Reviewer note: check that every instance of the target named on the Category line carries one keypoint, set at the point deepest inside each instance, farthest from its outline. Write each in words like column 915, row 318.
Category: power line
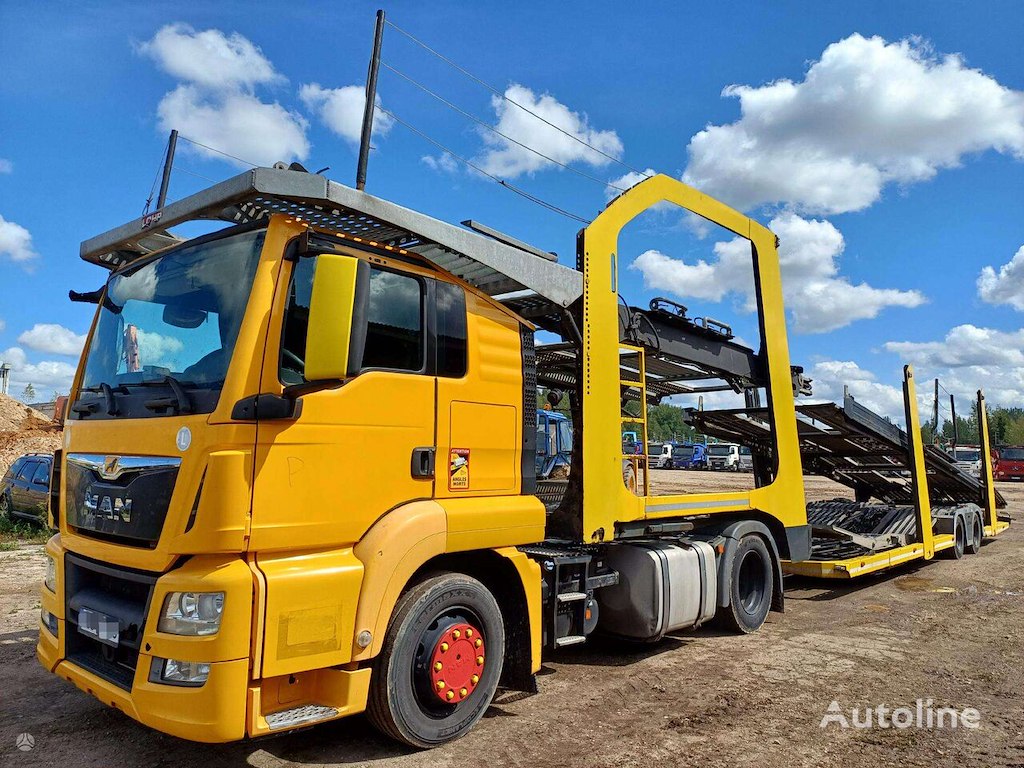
column 491, row 128
column 501, row 95
column 197, row 175
column 533, row 198
column 218, row 151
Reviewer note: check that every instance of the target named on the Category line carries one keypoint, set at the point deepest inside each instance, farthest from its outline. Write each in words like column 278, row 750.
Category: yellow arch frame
column 606, row 500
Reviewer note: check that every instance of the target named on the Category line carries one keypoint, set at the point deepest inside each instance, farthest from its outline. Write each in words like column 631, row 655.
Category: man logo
column 111, row 468
column 25, row 742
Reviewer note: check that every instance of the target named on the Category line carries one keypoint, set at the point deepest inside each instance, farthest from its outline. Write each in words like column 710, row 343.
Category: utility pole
column 952, row 410
column 935, row 410
column 165, row 182
column 368, row 107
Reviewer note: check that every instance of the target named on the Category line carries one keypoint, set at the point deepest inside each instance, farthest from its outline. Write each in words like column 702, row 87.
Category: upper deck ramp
column 854, row 446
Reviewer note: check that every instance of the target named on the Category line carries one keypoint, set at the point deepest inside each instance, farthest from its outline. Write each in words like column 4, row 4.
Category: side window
column 15, row 468
column 42, row 474
column 292, row 367
column 394, row 322
column 451, row 330
column 27, row 469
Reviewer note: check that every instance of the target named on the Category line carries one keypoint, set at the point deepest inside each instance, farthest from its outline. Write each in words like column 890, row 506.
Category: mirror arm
column 295, row 391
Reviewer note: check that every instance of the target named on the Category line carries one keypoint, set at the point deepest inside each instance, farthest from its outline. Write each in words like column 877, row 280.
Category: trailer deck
column 878, row 528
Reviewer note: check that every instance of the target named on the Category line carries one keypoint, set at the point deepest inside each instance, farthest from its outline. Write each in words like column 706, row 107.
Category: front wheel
column 750, row 580
column 440, row 664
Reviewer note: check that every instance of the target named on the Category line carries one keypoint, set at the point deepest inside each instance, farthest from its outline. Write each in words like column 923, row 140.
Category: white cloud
column 3, row 325
column 341, row 110
column 44, row 376
column 235, row 122
column 210, row 58
column 443, row 162
column 830, row 376
column 6, row 166
column 505, row 159
column 160, row 350
column 867, row 114
column 216, row 105
column 1006, row 286
column 54, row 339
column 965, row 346
column 629, row 179
column 15, row 241
column 817, row 297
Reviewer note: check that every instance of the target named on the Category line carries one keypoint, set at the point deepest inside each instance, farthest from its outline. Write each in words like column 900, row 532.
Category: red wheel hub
column 457, row 663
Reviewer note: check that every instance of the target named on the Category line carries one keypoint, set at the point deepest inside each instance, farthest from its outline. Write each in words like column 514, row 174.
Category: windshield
column 719, row 450
column 1011, row 454
column 175, row 316
column 967, row 455
column 682, row 450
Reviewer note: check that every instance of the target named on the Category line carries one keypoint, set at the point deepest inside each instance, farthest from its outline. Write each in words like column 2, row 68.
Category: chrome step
column 304, row 715
column 568, row 597
column 569, row 640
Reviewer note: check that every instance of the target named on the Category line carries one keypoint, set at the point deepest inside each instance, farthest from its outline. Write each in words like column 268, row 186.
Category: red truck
column 1008, row 463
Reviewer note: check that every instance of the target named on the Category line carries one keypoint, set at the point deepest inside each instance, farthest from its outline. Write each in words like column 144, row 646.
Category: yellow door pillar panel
column 918, row 473
column 310, row 609
column 606, row 499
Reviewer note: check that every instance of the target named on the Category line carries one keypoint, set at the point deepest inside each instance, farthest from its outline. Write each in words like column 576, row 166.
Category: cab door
column 324, row 476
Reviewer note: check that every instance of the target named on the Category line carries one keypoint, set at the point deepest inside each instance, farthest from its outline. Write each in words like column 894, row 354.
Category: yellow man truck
column 298, row 474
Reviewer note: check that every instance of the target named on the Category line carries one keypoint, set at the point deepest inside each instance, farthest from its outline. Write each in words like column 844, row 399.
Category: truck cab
column 554, row 444
column 1008, row 463
column 724, row 456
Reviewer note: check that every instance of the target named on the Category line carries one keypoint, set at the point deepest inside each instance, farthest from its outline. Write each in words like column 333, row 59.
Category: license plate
column 98, row 625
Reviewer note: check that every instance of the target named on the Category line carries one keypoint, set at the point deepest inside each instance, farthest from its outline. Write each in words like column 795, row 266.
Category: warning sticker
column 458, row 473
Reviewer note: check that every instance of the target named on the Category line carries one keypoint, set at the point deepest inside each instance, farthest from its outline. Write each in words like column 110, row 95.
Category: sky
column 882, row 142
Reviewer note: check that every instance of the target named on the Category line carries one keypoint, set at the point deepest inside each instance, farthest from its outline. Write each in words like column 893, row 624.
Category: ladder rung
column 630, row 383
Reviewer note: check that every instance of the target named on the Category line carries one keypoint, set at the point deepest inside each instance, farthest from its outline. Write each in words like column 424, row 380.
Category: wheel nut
column 450, row 695
column 478, row 642
column 463, row 692
column 469, row 633
column 456, row 634
column 474, row 679
column 444, row 647
column 479, row 661
column 438, row 667
column 440, row 685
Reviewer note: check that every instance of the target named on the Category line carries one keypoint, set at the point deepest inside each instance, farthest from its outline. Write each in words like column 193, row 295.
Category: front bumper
column 212, row 712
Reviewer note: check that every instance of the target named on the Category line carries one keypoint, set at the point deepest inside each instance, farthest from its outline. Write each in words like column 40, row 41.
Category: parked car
column 1008, row 463
column 724, row 456
column 25, row 488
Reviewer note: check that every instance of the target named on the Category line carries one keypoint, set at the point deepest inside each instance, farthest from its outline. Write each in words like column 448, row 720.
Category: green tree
column 29, row 393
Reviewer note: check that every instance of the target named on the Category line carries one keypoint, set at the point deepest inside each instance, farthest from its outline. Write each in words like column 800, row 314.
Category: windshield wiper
column 179, row 397
column 92, row 406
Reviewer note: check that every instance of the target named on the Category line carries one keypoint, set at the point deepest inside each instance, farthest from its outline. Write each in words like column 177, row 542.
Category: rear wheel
column 976, row 535
column 959, row 540
column 440, row 664
column 750, row 580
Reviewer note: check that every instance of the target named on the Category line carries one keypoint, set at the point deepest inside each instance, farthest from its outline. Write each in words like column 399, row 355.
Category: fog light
column 51, row 573
column 175, row 672
column 191, row 613
column 49, row 621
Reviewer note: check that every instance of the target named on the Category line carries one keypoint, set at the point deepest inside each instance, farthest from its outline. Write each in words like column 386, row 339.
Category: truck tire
column 750, row 582
column 977, row 532
column 959, row 540
column 440, row 664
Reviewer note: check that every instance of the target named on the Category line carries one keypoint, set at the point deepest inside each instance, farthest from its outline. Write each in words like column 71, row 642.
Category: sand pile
column 24, row 430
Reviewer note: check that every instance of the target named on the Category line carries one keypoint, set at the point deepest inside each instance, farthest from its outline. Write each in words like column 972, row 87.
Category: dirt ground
column 952, row 632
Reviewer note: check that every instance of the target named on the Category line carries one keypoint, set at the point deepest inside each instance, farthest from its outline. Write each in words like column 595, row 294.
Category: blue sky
column 884, row 142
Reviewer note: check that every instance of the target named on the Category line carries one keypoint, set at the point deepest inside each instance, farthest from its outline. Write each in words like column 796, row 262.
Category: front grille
column 119, row 593
column 122, row 499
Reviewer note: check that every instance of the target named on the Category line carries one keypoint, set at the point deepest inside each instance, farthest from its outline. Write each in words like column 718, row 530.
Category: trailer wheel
column 959, row 540
column 440, row 664
column 750, row 581
column 977, row 533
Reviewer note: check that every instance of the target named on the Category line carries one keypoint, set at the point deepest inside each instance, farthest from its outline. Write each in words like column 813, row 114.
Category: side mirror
column 336, row 334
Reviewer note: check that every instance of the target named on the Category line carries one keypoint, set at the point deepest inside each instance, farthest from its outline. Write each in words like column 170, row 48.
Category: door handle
column 423, row 462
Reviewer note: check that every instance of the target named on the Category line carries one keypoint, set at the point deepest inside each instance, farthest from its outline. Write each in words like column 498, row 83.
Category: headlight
column 51, row 573
column 191, row 613
column 174, row 672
